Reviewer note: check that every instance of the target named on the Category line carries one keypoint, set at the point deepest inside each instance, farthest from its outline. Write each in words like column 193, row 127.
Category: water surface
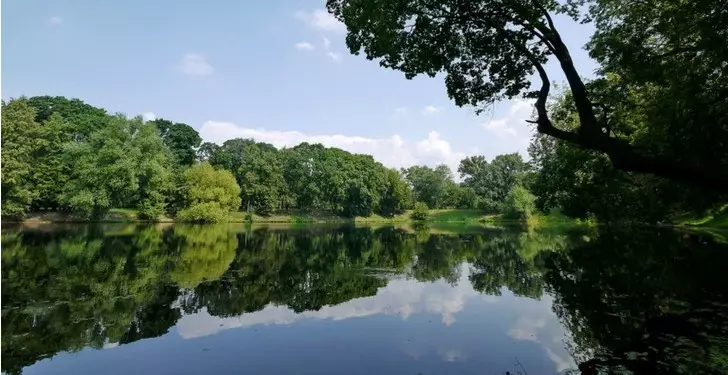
column 330, row 300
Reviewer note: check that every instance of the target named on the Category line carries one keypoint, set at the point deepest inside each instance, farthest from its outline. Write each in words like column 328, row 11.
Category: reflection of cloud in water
column 400, row 297
column 452, row 355
column 546, row 331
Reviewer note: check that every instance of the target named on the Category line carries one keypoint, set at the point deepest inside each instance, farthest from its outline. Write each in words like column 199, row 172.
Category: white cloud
column 431, row 109
column 401, row 110
column 304, row 46
column 194, row 64
column 392, row 151
column 334, row 56
column 149, row 116
column 55, row 20
column 514, row 122
column 547, row 332
column 322, row 20
column 327, row 43
column 435, row 150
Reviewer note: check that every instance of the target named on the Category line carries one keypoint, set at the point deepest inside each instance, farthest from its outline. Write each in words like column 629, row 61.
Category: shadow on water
column 640, row 300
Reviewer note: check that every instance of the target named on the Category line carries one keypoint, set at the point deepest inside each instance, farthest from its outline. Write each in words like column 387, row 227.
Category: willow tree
column 489, row 49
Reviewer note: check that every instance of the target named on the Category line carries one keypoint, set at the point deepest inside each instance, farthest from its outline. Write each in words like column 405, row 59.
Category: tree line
column 62, row 154
column 645, row 139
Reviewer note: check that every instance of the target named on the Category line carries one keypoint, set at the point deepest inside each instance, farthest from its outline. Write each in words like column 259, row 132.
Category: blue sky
column 274, row 70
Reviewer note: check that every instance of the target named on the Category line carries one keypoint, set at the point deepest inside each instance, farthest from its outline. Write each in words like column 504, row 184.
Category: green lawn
column 475, row 218
column 719, row 219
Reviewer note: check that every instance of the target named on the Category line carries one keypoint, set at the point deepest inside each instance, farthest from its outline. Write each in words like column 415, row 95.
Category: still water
column 343, row 300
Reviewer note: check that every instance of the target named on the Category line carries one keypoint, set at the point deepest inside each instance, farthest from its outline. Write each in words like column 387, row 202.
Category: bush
column 421, row 212
column 150, row 210
column 520, row 203
column 210, row 194
column 209, row 212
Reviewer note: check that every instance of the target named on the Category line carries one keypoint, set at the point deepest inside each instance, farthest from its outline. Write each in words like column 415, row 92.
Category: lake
column 174, row 299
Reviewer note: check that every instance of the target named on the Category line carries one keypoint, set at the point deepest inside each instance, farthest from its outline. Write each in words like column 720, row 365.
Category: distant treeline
column 62, row 154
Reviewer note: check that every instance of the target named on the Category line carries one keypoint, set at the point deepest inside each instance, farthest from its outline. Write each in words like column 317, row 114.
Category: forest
column 63, row 155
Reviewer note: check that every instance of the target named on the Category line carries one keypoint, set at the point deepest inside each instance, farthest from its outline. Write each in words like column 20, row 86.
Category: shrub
column 520, row 203
column 209, row 212
column 210, row 194
column 420, row 212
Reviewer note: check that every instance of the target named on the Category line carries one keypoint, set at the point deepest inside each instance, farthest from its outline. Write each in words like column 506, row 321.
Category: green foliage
column 520, row 203
column 117, row 166
column 263, row 186
column 430, row 185
column 493, row 181
column 21, row 139
column 181, row 139
column 420, row 212
column 210, row 194
column 396, row 197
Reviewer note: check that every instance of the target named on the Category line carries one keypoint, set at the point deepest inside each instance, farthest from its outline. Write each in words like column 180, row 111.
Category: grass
column 441, row 217
column 718, row 219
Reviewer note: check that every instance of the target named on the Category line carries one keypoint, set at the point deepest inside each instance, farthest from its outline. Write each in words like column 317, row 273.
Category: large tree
column 20, row 142
column 488, row 50
column 181, row 139
column 124, row 164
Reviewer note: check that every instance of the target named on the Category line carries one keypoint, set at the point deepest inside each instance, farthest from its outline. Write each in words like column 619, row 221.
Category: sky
column 277, row 71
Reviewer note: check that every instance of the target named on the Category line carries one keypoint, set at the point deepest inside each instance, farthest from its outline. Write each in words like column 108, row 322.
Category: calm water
column 234, row 300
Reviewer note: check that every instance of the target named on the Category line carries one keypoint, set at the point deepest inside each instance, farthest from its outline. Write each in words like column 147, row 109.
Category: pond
column 361, row 300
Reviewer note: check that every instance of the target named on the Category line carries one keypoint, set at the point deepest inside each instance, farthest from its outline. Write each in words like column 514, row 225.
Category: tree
column 207, row 152
column 21, row 139
column 488, row 50
column 210, row 194
column 429, row 185
column 261, row 178
column 181, row 139
column 124, row 164
column 154, row 171
column 83, row 119
column 397, row 196
column 492, row 181
column 50, row 171
column 520, row 203
column 582, row 183
column 420, row 212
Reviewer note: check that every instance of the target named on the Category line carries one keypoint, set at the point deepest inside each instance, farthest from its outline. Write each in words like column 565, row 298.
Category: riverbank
column 454, row 216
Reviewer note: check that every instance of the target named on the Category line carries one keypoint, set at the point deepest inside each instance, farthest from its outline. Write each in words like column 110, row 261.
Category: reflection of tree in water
column 205, row 253
column 513, row 260
column 648, row 301
column 71, row 289
column 651, row 292
column 301, row 270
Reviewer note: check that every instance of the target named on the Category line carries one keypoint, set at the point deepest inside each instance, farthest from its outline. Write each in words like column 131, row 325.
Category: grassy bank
column 444, row 216
column 717, row 219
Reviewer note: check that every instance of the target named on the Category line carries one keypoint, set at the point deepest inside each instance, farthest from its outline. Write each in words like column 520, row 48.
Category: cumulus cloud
column 514, row 122
column 392, row 151
column 401, row 297
column 335, row 56
column 321, row 19
column 304, row 46
column 55, row 20
column 194, row 64
column 431, row 109
column 149, row 116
